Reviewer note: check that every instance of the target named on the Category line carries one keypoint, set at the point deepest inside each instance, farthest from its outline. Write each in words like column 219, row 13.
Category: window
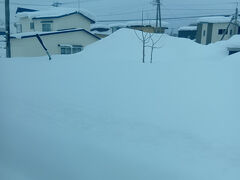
column 222, row 31
column 66, row 50
column 31, row 25
column 70, row 49
column 239, row 30
column 19, row 28
column 46, row 27
column 76, row 49
column 204, row 33
column 231, row 32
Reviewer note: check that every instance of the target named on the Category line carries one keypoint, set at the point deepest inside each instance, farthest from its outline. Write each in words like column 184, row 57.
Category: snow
column 102, row 114
column 217, row 19
column 188, row 28
column 55, row 12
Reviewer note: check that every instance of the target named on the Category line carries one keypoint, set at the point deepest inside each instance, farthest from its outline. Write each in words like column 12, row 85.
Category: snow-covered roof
column 188, row 28
column 56, row 12
column 215, row 19
column 32, row 34
column 151, row 23
column 103, row 26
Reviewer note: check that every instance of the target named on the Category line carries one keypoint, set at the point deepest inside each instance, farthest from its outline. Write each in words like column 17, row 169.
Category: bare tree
column 144, row 38
column 153, row 45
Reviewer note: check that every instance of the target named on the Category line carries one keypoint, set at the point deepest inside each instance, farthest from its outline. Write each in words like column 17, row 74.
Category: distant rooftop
column 55, row 12
column 188, row 28
column 216, row 19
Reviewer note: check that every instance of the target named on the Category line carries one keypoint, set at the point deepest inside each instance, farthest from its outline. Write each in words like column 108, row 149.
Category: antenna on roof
column 78, row 4
column 57, row 4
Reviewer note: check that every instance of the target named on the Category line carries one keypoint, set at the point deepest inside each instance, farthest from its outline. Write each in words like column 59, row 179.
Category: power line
column 169, row 18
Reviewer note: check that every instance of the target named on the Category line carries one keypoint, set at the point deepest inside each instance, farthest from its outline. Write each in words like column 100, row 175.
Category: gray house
column 213, row 29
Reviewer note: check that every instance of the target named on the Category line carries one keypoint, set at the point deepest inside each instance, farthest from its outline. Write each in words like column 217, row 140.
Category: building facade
column 62, row 30
column 213, row 29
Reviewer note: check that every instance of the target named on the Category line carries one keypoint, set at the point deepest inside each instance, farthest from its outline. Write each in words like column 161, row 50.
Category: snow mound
column 102, row 114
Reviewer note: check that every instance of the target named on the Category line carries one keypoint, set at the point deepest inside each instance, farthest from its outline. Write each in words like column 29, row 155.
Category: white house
column 63, row 31
column 57, row 42
column 213, row 29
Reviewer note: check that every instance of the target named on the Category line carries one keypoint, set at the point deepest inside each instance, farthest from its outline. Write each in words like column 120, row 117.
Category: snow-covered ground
column 102, row 114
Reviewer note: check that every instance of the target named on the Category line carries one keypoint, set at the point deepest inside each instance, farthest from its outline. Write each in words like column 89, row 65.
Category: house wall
column 66, row 22
column 211, row 32
column 217, row 37
column 204, row 33
column 30, row 47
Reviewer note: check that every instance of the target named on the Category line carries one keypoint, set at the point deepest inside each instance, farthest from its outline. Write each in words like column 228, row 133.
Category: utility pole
column 236, row 21
column 7, row 29
column 78, row 4
column 158, row 16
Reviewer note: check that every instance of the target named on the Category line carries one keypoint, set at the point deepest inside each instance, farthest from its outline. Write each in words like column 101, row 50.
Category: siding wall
column 66, row 22
column 30, row 47
column 217, row 37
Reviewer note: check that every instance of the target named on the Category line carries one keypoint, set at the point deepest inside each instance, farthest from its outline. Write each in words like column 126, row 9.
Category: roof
column 100, row 26
column 20, row 10
column 188, row 28
column 33, row 34
column 215, row 19
column 151, row 23
column 56, row 12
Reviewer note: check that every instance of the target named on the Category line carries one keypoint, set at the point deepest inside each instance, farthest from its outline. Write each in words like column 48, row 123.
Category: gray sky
column 131, row 9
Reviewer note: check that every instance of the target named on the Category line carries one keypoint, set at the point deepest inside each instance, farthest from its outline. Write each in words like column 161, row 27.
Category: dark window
column 239, row 30
column 31, row 25
column 204, row 33
column 231, row 32
column 46, row 27
column 76, row 49
column 66, row 50
column 222, row 31
column 19, row 28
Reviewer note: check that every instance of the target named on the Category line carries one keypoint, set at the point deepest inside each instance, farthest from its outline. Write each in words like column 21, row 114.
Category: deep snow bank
column 102, row 114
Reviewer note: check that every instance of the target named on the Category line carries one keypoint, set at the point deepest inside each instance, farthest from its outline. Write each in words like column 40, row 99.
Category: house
column 147, row 26
column 57, row 42
column 62, row 30
column 213, row 29
column 189, row 32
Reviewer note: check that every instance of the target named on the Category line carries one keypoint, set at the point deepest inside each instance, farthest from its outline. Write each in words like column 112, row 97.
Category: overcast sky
column 131, row 9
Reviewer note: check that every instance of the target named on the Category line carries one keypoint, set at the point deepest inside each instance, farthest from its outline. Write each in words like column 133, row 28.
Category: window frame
column 32, row 25
column 46, row 29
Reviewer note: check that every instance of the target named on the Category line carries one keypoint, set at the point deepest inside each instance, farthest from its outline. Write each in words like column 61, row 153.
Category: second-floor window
column 32, row 25
column 19, row 28
column 46, row 27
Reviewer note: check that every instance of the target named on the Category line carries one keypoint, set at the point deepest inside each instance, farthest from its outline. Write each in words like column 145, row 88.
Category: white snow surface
column 102, row 114
column 188, row 28
column 216, row 19
column 54, row 12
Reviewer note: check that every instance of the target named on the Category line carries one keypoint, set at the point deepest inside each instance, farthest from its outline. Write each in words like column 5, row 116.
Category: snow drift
column 102, row 114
